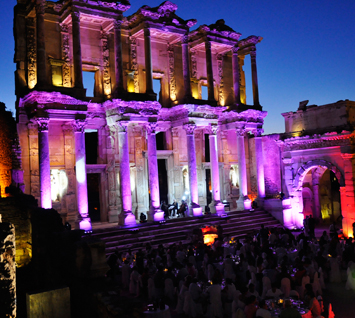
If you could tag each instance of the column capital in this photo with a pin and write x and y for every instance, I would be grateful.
(185, 39)
(253, 52)
(241, 132)
(170, 47)
(146, 31)
(190, 128)
(42, 124)
(212, 129)
(75, 15)
(151, 128)
(117, 24)
(235, 50)
(64, 28)
(40, 7)
(257, 132)
(122, 126)
(103, 35)
(79, 125)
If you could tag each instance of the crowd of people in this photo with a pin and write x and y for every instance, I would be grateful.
(269, 274)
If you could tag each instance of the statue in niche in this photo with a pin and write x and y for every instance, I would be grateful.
(185, 176)
(233, 177)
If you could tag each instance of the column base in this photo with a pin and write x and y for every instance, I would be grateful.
(127, 219)
(112, 216)
(85, 224)
(217, 207)
(243, 204)
(158, 215)
(196, 209)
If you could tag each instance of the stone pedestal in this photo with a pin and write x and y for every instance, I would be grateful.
(44, 163)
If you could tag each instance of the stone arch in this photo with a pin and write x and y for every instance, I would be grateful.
(303, 170)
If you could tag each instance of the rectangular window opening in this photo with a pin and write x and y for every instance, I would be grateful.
(204, 92)
(57, 75)
(89, 83)
(157, 88)
(91, 142)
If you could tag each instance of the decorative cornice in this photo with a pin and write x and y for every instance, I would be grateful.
(120, 108)
(249, 115)
(249, 41)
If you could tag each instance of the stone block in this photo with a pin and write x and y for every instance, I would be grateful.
(49, 304)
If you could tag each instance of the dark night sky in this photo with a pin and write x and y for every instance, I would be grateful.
(307, 51)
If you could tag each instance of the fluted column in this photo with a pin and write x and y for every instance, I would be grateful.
(44, 163)
(118, 55)
(254, 76)
(236, 79)
(78, 72)
(155, 212)
(243, 203)
(41, 49)
(186, 66)
(148, 61)
(216, 206)
(209, 70)
(126, 217)
(259, 166)
(191, 158)
(80, 173)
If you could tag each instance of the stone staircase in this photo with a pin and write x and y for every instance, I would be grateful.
(237, 224)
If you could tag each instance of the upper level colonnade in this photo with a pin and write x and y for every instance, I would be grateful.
(57, 42)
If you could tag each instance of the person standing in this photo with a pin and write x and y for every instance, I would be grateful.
(311, 226)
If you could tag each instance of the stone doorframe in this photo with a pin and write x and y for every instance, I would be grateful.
(293, 206)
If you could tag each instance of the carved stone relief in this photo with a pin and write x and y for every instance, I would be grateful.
(134, 64)
(65, 55)
(106, 63)
(31, 53)
(220, 76)
(172, 81)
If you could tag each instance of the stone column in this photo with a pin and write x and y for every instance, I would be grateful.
(155, 212)
(126, 216)
(216, 206)
(186, 66)
(254, 76)
(236, 79)
(78, 72)
(80, 173)
(243, 202)
(148, 61)
(259, 166)
(118, 56)
(209, 70)
(316, 175)
(41, 49)
(191, 157)
(44, 163)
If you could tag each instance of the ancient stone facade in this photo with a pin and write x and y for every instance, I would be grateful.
(57, 42)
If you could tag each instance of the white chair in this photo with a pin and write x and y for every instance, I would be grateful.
(317, 289)
(266, 285)
(286, 286)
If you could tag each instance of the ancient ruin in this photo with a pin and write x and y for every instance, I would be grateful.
(168, 119)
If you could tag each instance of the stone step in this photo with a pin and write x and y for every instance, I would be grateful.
(237, 224)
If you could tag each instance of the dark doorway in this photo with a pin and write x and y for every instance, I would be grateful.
(93, 185)
(207, 148)
(91, 147)
(208, 186)
(160, 136)
(163, 180)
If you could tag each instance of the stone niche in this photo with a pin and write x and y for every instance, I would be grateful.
(52, 303)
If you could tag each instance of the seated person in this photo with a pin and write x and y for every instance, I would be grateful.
(183, 207)
(289, 311)
(142, 218)
(263, 311)
(274, 293)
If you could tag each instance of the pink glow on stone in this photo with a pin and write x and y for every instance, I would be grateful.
(158, 215)
(130, 220)
(197, 211)
(220, 209)
(85, 224)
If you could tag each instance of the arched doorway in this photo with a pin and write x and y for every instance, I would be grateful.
(320, 190)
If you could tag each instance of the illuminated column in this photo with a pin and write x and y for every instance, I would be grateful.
(235, 62)
(148, 61)
(155, 212)
(78, 72)
(44, 163)
(191, 158)
(41, 49)
(259, 166)
(186, 66)
(243, 203)
(254, 76)
(80, 173)
(316, 175)
(126, 217)
(216, 206)
(209, 70)
(118, 55)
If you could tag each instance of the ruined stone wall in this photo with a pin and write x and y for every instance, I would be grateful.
(7, 270)
(271, 156)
